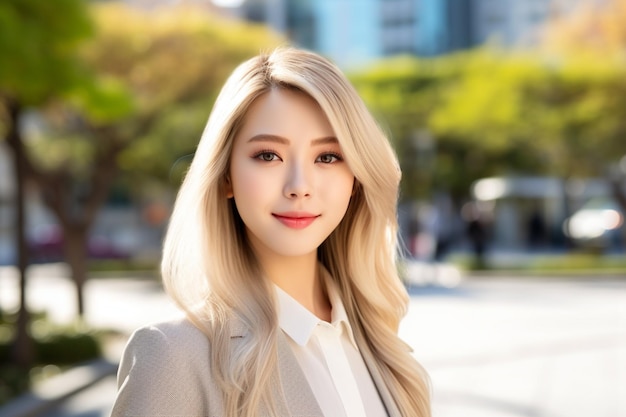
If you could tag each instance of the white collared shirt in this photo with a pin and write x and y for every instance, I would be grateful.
(330, 358)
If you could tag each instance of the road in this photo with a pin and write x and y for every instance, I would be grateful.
(500, 346)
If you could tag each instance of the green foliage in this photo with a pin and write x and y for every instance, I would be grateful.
(68, 348)
(147, 79)
(37, 43)
(165, 150)
(53, 344)
(156, 75)
(565, 264)
(402, 92)
(488, 113)
(148, 268)
(102, 101)
(40, 43)
(489, 94)
(13, 381)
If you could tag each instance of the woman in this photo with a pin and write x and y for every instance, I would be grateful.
(281, 252)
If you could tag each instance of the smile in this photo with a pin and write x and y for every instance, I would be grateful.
(295, 220)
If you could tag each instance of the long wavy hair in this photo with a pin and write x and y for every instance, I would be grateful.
(210, 271)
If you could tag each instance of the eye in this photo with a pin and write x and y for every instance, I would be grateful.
(329, 158)
(266, 156)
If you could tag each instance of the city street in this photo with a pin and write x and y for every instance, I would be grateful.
(495, 346)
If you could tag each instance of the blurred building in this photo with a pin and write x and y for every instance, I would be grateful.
(551, 213)
(353, 32)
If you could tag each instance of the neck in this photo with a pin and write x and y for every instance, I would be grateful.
(299, 277)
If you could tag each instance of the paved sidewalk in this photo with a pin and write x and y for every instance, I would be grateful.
(523, 347)
(498, 346)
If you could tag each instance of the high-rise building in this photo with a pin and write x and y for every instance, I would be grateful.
(353, 32)
(509, 22)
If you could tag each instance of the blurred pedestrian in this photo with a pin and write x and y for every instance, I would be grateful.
(280, 251)
(477, 233)
(537, 231)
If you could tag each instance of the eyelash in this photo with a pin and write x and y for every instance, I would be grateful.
(258, 155)
(338, 157)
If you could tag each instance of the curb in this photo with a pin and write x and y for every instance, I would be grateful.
(55, 390)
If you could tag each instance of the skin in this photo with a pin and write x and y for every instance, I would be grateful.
(291, 187)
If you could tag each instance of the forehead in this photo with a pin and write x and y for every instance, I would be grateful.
(285, 112)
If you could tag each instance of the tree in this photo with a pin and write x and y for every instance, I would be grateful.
(595, 35)
(38, 43)
(525, 114)
(488, 112)
(402, 92)
(559, 111)
(157, 73)
(453, 119)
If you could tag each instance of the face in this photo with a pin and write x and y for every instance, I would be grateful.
(288, 177)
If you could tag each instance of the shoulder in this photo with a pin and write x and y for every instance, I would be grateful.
(165, 368)
(168, 349)
(172, 338)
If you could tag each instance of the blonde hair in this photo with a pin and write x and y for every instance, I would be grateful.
(209, 270)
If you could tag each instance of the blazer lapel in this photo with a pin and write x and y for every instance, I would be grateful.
(296, 393)
(292, 393)
(383, 390)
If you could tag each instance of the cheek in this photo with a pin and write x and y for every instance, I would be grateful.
(247, 182)
(342, 190)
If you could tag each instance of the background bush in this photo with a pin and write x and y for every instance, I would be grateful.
(53, 344)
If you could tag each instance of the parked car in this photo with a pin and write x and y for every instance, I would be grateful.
(46, 245)
(598, 223)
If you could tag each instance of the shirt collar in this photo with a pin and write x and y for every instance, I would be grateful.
(299, 323)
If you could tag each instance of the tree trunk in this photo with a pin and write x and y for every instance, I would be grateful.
(76, 255)
(76, 214)
(23, 351)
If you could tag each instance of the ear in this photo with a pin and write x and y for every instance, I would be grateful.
(228, 187)
(355, 187)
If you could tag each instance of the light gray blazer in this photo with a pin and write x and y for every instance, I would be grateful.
(165, 371)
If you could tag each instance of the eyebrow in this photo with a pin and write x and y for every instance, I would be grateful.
(279, 139)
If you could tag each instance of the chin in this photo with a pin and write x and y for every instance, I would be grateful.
(294, 253)
(294, 250)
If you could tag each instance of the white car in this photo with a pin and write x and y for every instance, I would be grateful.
(596, 223)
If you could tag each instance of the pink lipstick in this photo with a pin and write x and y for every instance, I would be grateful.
(296, 220)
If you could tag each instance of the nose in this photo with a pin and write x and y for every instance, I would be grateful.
(298, 182)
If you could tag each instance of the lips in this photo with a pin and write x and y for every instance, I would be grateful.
(296, 220)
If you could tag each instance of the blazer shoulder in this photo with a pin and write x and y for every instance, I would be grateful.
(164, 371)
(173, 344)
(174, 334)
